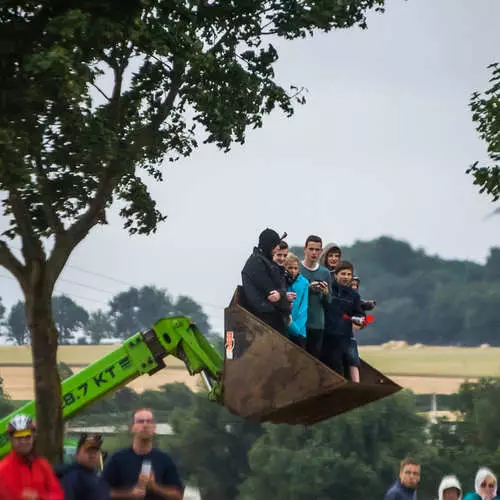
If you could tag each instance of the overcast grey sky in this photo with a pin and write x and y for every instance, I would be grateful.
(379, 149)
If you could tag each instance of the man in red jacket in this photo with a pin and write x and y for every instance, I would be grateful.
(23, 474)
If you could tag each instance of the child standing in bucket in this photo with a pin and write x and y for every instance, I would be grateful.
(299, 286)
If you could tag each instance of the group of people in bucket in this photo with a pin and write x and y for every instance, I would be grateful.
(138, 472)
(314, 302)
(405, 488)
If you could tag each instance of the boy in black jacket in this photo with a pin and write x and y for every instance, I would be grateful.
(264, 283)
(337, 348)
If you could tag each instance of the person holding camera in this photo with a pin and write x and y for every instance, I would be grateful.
(339, 350)
(320, 286)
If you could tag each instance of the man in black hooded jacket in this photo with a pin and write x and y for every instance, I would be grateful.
(264, 283)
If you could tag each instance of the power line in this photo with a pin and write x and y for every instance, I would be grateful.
(109, 278)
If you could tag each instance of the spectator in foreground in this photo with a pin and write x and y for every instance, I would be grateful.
(80, 480)
(485, 486)
(405, 488)
(23, 474)
(264, 284)
(450, 489)
(299, 286)
(143, 471)
(320, 286)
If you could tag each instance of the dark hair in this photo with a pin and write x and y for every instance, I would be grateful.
(314, 239)
(342, 266)
(407, 461)
(283, 245)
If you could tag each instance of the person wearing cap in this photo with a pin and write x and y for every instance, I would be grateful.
(450, 489)
(80, 480)
(23, 474)
(264, 286)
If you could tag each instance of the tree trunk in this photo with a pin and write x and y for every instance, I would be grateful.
(44, 339)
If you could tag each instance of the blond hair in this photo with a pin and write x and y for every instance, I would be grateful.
(291, 257)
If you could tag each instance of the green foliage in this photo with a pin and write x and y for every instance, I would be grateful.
(486, 114)
(6, 405)
(69, 317)
(99, 326)
(426, 299)
(340, 458)
(2, 309)
(212, 445)
(17, 329)
(64, 370)
(65, 138)
(139, 308)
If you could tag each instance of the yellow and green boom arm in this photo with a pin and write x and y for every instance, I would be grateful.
(140, 354)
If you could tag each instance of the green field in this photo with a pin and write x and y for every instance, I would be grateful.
(71, 355)
(458, 362)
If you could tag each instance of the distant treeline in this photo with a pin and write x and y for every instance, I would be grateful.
(420, 299)
(426, 299)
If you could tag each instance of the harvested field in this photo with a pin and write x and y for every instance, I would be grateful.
(18, 380)
(422, 369)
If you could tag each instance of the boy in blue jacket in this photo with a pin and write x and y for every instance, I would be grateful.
(299, 286)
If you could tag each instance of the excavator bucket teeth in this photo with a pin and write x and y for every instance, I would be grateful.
(267, 378)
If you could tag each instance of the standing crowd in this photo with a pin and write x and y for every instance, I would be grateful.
(315, 302)
(405, 488)
(139, 472)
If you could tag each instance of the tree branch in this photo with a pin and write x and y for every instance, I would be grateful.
(13, 265)
(53, 220)
(100, 91)
(31, 244)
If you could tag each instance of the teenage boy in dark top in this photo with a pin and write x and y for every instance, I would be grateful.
(142, 471)
(320, 285)
(346, 303)
(264, 284)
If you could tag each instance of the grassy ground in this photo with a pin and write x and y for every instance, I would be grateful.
(412, 361)
(423, 369)
(458, 362)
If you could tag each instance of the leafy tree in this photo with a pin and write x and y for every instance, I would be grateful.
(71, 142)
(99, 326)
(139, 308)
(341, 458)
(492, 268)
(6, 405)
(212, 446)
(69, 317)
(2, 309)
(186, 306)
(486, 114)
(17, 330)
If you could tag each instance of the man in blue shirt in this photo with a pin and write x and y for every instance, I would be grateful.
(143, 472)
(406, 487)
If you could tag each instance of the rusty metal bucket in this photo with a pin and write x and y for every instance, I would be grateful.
(267, 378)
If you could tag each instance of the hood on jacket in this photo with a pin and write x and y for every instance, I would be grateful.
(450, 482)
(481, 475)
(328, 249)
(268, 240)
